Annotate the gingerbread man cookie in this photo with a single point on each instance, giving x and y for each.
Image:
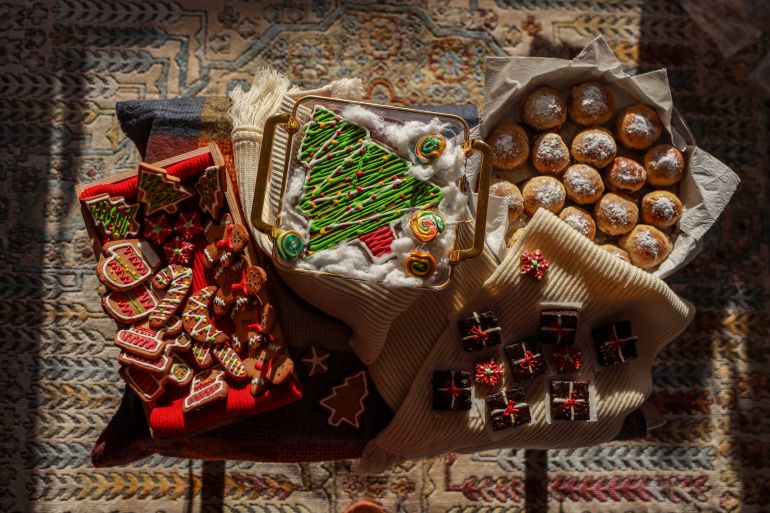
(267, 365)
(159, 190)
(125, 264)
(207, 386)
(253, 321)
(237, 284)
(130, 305)
(176, 281)
(197, 320)
(225, 240)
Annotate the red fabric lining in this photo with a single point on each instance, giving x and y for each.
(127, 188)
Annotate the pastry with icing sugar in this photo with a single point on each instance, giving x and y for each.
(591, 104)
(638, 127)
(510, 146)
(544, 109)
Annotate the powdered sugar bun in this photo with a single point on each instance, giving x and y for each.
(616, 251)
(661, 209)
(665, 165)
(583, 184)
(512, 197)
(625, 175)
(544, 109)
(550, 155)
(580, 220)
(615, 214)
(543, 192)
(646, 246)
(595, 147)
(638, 127)
(591, 104)
(510, 146)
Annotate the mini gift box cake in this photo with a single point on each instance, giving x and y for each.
(370, 192)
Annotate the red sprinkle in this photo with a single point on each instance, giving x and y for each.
(359, 173)
(359, 188)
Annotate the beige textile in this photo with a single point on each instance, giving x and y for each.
(581, 272)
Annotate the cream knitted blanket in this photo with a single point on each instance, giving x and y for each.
(404, 334)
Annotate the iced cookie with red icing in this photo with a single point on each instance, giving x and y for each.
(126, 264)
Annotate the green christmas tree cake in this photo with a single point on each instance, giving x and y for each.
(355, 188)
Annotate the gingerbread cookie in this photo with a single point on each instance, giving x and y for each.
(196, 318)
(179, 373)
(201, 352)
(207, 387)
(126, 264)
(157, 228)
(147, 386)
(176, 281)
(142, 340)
(180, 343)
(115, 218)
(159, 365)
(346, 401)
(179, 251)
(230, 361)
(253, 321)
(266, 365)
(188, 225)
(159, 191)
(211, 191)
(237, 284)
(225, 240)
(130, 305)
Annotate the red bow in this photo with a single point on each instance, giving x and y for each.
(453, 390)
(511, 410)
(528, 361)
(480, 335)
(571, 402)
(228, 239)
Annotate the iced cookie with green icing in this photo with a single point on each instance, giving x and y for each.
(354, 187)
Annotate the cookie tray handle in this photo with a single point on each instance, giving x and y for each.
(263, 171)
(485, 178)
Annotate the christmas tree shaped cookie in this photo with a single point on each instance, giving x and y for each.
(354, 188)
(160, 191)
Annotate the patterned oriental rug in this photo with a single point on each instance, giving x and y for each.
(65, 64)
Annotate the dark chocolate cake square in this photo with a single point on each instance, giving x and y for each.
(558, 327)
(479, 331)
(614, 343)
(527, 360)
(452, 390)
(570, 401)
(507, 409)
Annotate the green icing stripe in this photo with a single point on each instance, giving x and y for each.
(353, 185)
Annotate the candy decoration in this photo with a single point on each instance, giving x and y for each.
(157, 228)
(197, 321)
(188, 225)
(179, 251)
(126, 264)
(377, 243)
(534, 264)
(420, 264)
(176, 281)
(289, 245)
(567, 358)
(210, 187)
(130, 305)
(426, 225)
(160, 191)
(207, 387)
(353, 185)
(488, 372)
(114, 217)
(429, 148)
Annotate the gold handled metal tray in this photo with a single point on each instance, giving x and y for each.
(369, 192)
